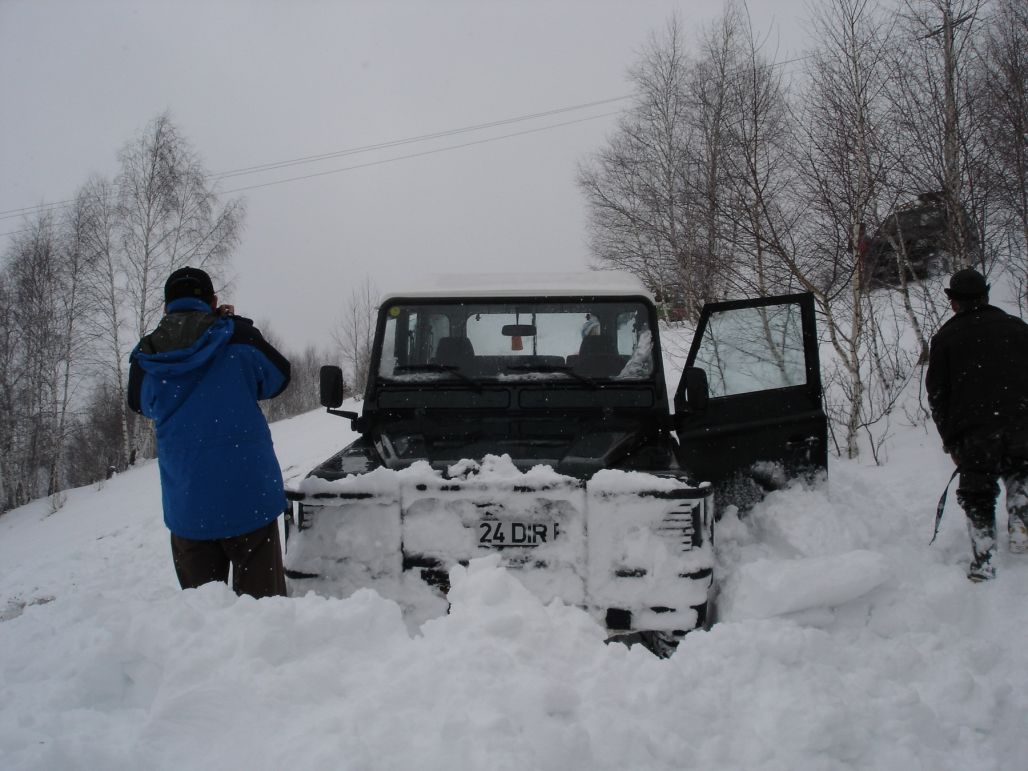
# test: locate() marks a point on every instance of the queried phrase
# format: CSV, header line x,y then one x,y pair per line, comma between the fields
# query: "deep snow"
x,y
845,641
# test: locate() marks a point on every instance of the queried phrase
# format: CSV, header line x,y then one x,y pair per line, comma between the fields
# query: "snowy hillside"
x,y
845,642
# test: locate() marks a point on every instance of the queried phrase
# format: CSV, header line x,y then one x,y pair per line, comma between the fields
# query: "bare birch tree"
x,y
761,210
166,216
72,308
42,365
76,292
844,170
1002,83
637,187
10,384
95,444
936,136
355,333
708,86
105,286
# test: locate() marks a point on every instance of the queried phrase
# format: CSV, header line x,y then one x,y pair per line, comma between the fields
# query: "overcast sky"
x,y
251,83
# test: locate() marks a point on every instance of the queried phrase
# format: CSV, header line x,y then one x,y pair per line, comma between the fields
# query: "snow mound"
x,y
896,661
767,588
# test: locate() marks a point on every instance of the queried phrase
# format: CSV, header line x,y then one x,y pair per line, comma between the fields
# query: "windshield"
x,y
572,340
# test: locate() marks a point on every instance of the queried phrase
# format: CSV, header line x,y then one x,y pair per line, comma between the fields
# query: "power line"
x,y
260,168
392,160
419,154
412,140
274,165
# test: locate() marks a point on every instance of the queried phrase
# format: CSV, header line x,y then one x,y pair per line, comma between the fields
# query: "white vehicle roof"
x,y
533,284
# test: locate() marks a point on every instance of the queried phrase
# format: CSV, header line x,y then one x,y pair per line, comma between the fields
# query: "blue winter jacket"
x,y
199,376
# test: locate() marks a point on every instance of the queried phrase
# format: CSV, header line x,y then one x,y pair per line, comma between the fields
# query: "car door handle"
x,y
803,443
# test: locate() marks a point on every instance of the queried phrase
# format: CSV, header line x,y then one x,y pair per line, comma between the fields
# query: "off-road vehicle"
x,y
920,231
530,419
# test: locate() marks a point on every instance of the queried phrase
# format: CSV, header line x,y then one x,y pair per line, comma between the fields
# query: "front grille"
x,y
682,526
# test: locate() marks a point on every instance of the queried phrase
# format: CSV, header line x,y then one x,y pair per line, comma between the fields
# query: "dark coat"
x,y
199,377
977,379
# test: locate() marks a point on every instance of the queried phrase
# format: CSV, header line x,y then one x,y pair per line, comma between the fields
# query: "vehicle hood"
x,y
576,447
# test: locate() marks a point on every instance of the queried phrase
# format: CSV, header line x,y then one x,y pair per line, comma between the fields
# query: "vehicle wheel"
x,y
708,613
661,644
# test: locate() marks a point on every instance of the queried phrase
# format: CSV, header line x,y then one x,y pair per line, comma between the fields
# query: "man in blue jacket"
x,y
199,376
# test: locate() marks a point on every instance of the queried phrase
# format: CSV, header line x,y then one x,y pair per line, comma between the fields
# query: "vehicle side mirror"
x,y
332,386
692,394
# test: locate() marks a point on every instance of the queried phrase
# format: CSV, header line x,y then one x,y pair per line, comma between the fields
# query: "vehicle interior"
x,y
595,339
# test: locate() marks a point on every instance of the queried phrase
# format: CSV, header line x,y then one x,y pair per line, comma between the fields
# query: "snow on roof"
x,y
534,284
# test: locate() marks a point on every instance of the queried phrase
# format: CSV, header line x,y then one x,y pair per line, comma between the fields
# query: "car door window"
x,y
753,349
411,337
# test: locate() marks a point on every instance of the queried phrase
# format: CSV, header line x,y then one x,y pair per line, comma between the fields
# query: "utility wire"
x,y
418,154
382,161
411,140
14,213
274,165
389,160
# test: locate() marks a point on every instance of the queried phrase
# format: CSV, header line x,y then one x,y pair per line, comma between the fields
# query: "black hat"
x,y
188,282
967,284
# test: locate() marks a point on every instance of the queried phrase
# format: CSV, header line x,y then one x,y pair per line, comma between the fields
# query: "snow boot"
x,y
983,547
981,571
1017,513
1018,531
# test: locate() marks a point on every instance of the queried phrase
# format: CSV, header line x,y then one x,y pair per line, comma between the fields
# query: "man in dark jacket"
x,y
977,384
199,376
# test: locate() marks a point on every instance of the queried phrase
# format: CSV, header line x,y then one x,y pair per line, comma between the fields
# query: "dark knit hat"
x,y
967,284
188,282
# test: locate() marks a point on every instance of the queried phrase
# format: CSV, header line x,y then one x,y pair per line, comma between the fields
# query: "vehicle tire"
x,y
660,643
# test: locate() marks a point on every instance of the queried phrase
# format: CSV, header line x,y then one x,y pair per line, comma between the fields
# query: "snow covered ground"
x,y
845,641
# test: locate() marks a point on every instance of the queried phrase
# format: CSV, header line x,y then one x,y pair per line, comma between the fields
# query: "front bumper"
x,y
633,549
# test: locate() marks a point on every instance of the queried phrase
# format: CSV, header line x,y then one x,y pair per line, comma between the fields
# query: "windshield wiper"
x,y
448,368
551,368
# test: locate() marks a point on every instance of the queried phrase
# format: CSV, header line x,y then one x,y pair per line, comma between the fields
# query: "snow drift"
x,y
844,642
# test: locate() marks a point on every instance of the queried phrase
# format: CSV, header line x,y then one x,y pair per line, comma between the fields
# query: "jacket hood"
x,y
181,361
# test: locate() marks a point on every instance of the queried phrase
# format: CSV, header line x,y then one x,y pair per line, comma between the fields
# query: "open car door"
x,y
761,421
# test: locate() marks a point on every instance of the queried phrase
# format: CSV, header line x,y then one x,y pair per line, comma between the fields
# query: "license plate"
x,y
499,533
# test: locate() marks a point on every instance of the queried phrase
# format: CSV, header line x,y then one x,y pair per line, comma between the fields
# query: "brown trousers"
x,y
256,560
